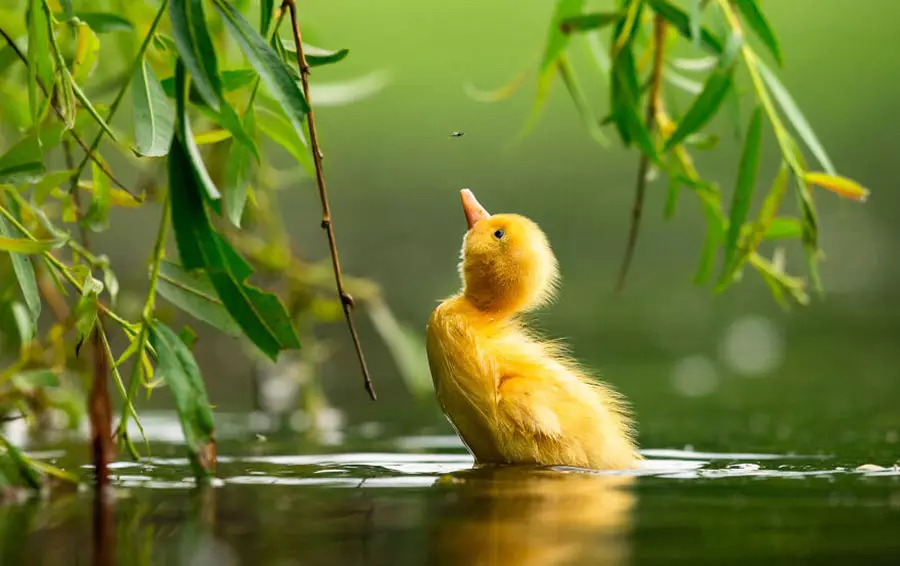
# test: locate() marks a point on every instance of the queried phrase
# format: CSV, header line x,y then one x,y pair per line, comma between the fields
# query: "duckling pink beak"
x,y
473,209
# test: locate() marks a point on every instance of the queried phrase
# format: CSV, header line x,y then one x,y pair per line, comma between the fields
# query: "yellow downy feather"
x,y
512,397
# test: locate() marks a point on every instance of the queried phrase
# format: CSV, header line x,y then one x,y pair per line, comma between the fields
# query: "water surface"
x,y
416,499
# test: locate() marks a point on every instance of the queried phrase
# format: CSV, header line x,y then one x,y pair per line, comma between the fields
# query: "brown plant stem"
x,y
88,152
327,225
99,410
653,101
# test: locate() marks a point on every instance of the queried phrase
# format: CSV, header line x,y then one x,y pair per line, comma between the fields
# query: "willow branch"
x,y
88,152
653,102
327,225
138,60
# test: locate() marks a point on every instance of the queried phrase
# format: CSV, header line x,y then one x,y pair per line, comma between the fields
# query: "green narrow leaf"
x,y
105,22
66,97
796,117
83,99
179,370
710,98
273,123
97,216
272,70
755,18
238,173
576,93
260,314
696,12
625,94
783,228
24,272
67,8
193,293
40,66
232,80
196,48
315,56
714,234
225,117
87,50
23,162
673,189
764,219
25,246
28,476
743,192
86,309
153,116
682,22
183,126
588,22
266,11
24,322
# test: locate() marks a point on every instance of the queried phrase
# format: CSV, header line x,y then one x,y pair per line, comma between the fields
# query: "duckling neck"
x,y
490,304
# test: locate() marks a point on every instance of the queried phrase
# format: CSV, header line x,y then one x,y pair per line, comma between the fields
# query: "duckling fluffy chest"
x,y
514,400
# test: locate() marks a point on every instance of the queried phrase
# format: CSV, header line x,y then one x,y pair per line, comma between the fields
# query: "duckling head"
x,y
507,265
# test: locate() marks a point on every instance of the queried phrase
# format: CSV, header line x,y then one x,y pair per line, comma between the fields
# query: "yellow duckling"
x,y
512,397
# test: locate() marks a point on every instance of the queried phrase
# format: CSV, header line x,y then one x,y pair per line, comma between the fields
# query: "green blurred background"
x,y
710,371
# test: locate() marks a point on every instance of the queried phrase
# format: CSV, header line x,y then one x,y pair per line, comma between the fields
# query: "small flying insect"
x,y
457,134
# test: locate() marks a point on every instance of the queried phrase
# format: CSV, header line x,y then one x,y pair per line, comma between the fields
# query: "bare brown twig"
x,y
653,100
59,115
327,225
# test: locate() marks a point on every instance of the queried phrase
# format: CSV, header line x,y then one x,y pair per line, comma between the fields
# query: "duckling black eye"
x,y
499,233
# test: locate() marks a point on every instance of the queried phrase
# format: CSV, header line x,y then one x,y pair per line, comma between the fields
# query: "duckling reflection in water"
x,y
512,397
518,516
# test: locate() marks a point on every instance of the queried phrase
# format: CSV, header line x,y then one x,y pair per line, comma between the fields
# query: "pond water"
x,y
373,498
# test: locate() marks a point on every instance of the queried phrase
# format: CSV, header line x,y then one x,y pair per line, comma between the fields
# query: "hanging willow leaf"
x,y
238,174
87,50
624,98
682,22
555,46
24,272
273,123
271,68
839,185
591,21
28,477
710,99
796,117
183,127
266,11
316,56
196,48
153,115
193,293
26,246
260,314
23,162
743,192
758,23
86,309
40,65
179,370
97,216
576,93
764,220
104,22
